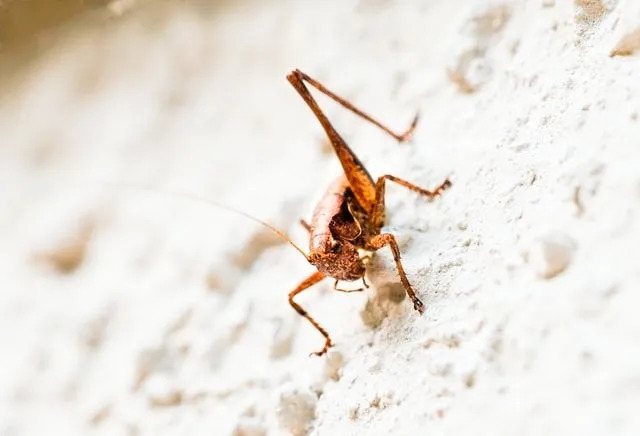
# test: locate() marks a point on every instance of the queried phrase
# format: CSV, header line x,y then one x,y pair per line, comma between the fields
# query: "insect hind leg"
x,y
400,137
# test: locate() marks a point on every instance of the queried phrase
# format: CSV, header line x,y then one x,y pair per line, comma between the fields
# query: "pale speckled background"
x,y
176,321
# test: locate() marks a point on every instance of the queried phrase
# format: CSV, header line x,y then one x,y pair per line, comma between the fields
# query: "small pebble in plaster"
x,y
446,339
628,45
249,426
70,253
577,201
382,401
296,409
181,320
150,361
591,10
479,72
460,81
333,365
215,283
100,415
447,265
492,21
551,254
519,148
469,379
440,365
161,392
93,332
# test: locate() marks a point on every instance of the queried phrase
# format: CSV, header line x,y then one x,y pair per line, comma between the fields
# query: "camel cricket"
x,y
348,218
350,215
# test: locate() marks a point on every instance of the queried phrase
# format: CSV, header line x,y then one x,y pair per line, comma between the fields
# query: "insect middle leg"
x,y
378,209
307,283
379,241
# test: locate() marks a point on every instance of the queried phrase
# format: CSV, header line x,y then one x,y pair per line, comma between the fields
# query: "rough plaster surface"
x,y
126,311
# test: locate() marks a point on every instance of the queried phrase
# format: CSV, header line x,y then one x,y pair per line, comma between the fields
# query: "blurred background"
x,y
128,307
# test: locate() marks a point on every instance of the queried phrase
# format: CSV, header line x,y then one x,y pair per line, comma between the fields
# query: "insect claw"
x,y
418,305
324,350
318,353
406,136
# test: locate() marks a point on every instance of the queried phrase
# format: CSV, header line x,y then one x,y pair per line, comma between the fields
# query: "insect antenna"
x,y
185,195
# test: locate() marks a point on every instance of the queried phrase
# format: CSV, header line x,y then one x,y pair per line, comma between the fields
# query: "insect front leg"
x,y
378,210
379,241
307,283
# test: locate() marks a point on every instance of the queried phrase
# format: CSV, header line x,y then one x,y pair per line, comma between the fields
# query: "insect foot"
x,y
418,305
324,350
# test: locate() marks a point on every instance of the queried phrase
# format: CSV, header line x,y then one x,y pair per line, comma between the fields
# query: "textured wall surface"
x,y
135,311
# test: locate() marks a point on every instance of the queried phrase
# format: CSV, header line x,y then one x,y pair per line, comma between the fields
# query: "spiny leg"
x,y
380,241
378,210
364,283
308,282
401,137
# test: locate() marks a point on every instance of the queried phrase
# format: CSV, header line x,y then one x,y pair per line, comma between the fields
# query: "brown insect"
x,y
350,215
